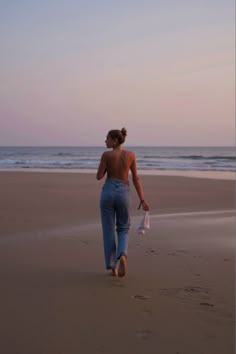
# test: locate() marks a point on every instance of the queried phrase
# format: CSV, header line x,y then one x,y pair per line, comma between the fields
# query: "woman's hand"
x,y
145,206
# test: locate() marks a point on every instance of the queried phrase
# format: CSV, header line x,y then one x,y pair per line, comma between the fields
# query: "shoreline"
x,y
37,201
221,175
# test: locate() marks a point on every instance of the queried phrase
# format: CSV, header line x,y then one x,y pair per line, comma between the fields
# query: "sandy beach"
x,y
56,298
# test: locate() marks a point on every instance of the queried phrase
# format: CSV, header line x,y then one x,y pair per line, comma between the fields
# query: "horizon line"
x,y
103,146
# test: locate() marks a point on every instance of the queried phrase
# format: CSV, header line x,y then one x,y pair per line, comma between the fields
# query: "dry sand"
x,y
56,298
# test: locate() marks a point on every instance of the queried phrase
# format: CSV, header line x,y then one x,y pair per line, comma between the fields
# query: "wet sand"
x,y
56,297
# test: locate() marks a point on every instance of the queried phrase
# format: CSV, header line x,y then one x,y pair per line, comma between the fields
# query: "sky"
x,y
71,70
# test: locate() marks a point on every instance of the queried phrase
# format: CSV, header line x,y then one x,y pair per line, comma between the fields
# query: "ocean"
x,y
148,158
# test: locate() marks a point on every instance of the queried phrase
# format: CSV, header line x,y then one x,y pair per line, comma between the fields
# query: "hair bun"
x,y
124,131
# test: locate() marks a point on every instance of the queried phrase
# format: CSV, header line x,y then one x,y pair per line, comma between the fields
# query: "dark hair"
x,y
119,134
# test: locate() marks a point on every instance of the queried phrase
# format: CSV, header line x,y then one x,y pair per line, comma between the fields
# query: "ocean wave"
x,y
191,157
201,159
66,154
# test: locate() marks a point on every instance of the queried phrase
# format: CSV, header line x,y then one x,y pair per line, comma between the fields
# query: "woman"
x,y
115,199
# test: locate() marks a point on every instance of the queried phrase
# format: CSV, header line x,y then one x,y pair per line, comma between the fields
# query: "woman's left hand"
x,y
145,206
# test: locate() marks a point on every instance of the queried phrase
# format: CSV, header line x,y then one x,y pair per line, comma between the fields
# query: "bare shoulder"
x,y
130,154
105,154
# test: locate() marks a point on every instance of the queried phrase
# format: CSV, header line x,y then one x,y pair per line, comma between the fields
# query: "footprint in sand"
x,y
196,289
147,312
140,297
206,304
187,294
144,335
152,251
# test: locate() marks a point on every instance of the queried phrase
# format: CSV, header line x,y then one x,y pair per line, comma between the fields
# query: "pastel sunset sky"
x,y
71,70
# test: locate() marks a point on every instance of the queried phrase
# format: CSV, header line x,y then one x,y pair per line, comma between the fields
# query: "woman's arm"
x,y
138,185
102,167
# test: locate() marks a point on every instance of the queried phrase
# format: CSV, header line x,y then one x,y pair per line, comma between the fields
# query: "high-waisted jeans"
x,y
115,213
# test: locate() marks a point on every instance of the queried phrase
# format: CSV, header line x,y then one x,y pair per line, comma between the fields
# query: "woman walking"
x,y
115,199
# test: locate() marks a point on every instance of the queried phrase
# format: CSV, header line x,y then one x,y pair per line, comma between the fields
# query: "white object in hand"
x,y
144,224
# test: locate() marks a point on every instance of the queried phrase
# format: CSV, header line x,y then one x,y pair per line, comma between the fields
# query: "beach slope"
x,y
56,297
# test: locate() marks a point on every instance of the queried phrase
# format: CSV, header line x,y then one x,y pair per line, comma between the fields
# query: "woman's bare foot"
x,y
114,272
122,267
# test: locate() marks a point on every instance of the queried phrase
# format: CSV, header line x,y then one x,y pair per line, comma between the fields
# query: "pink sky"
x,y
165,73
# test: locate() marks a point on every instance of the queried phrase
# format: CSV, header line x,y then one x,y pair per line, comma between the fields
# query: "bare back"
x,y
117,163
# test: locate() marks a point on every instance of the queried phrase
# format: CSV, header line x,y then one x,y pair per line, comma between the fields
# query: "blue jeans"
x,y
115,211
